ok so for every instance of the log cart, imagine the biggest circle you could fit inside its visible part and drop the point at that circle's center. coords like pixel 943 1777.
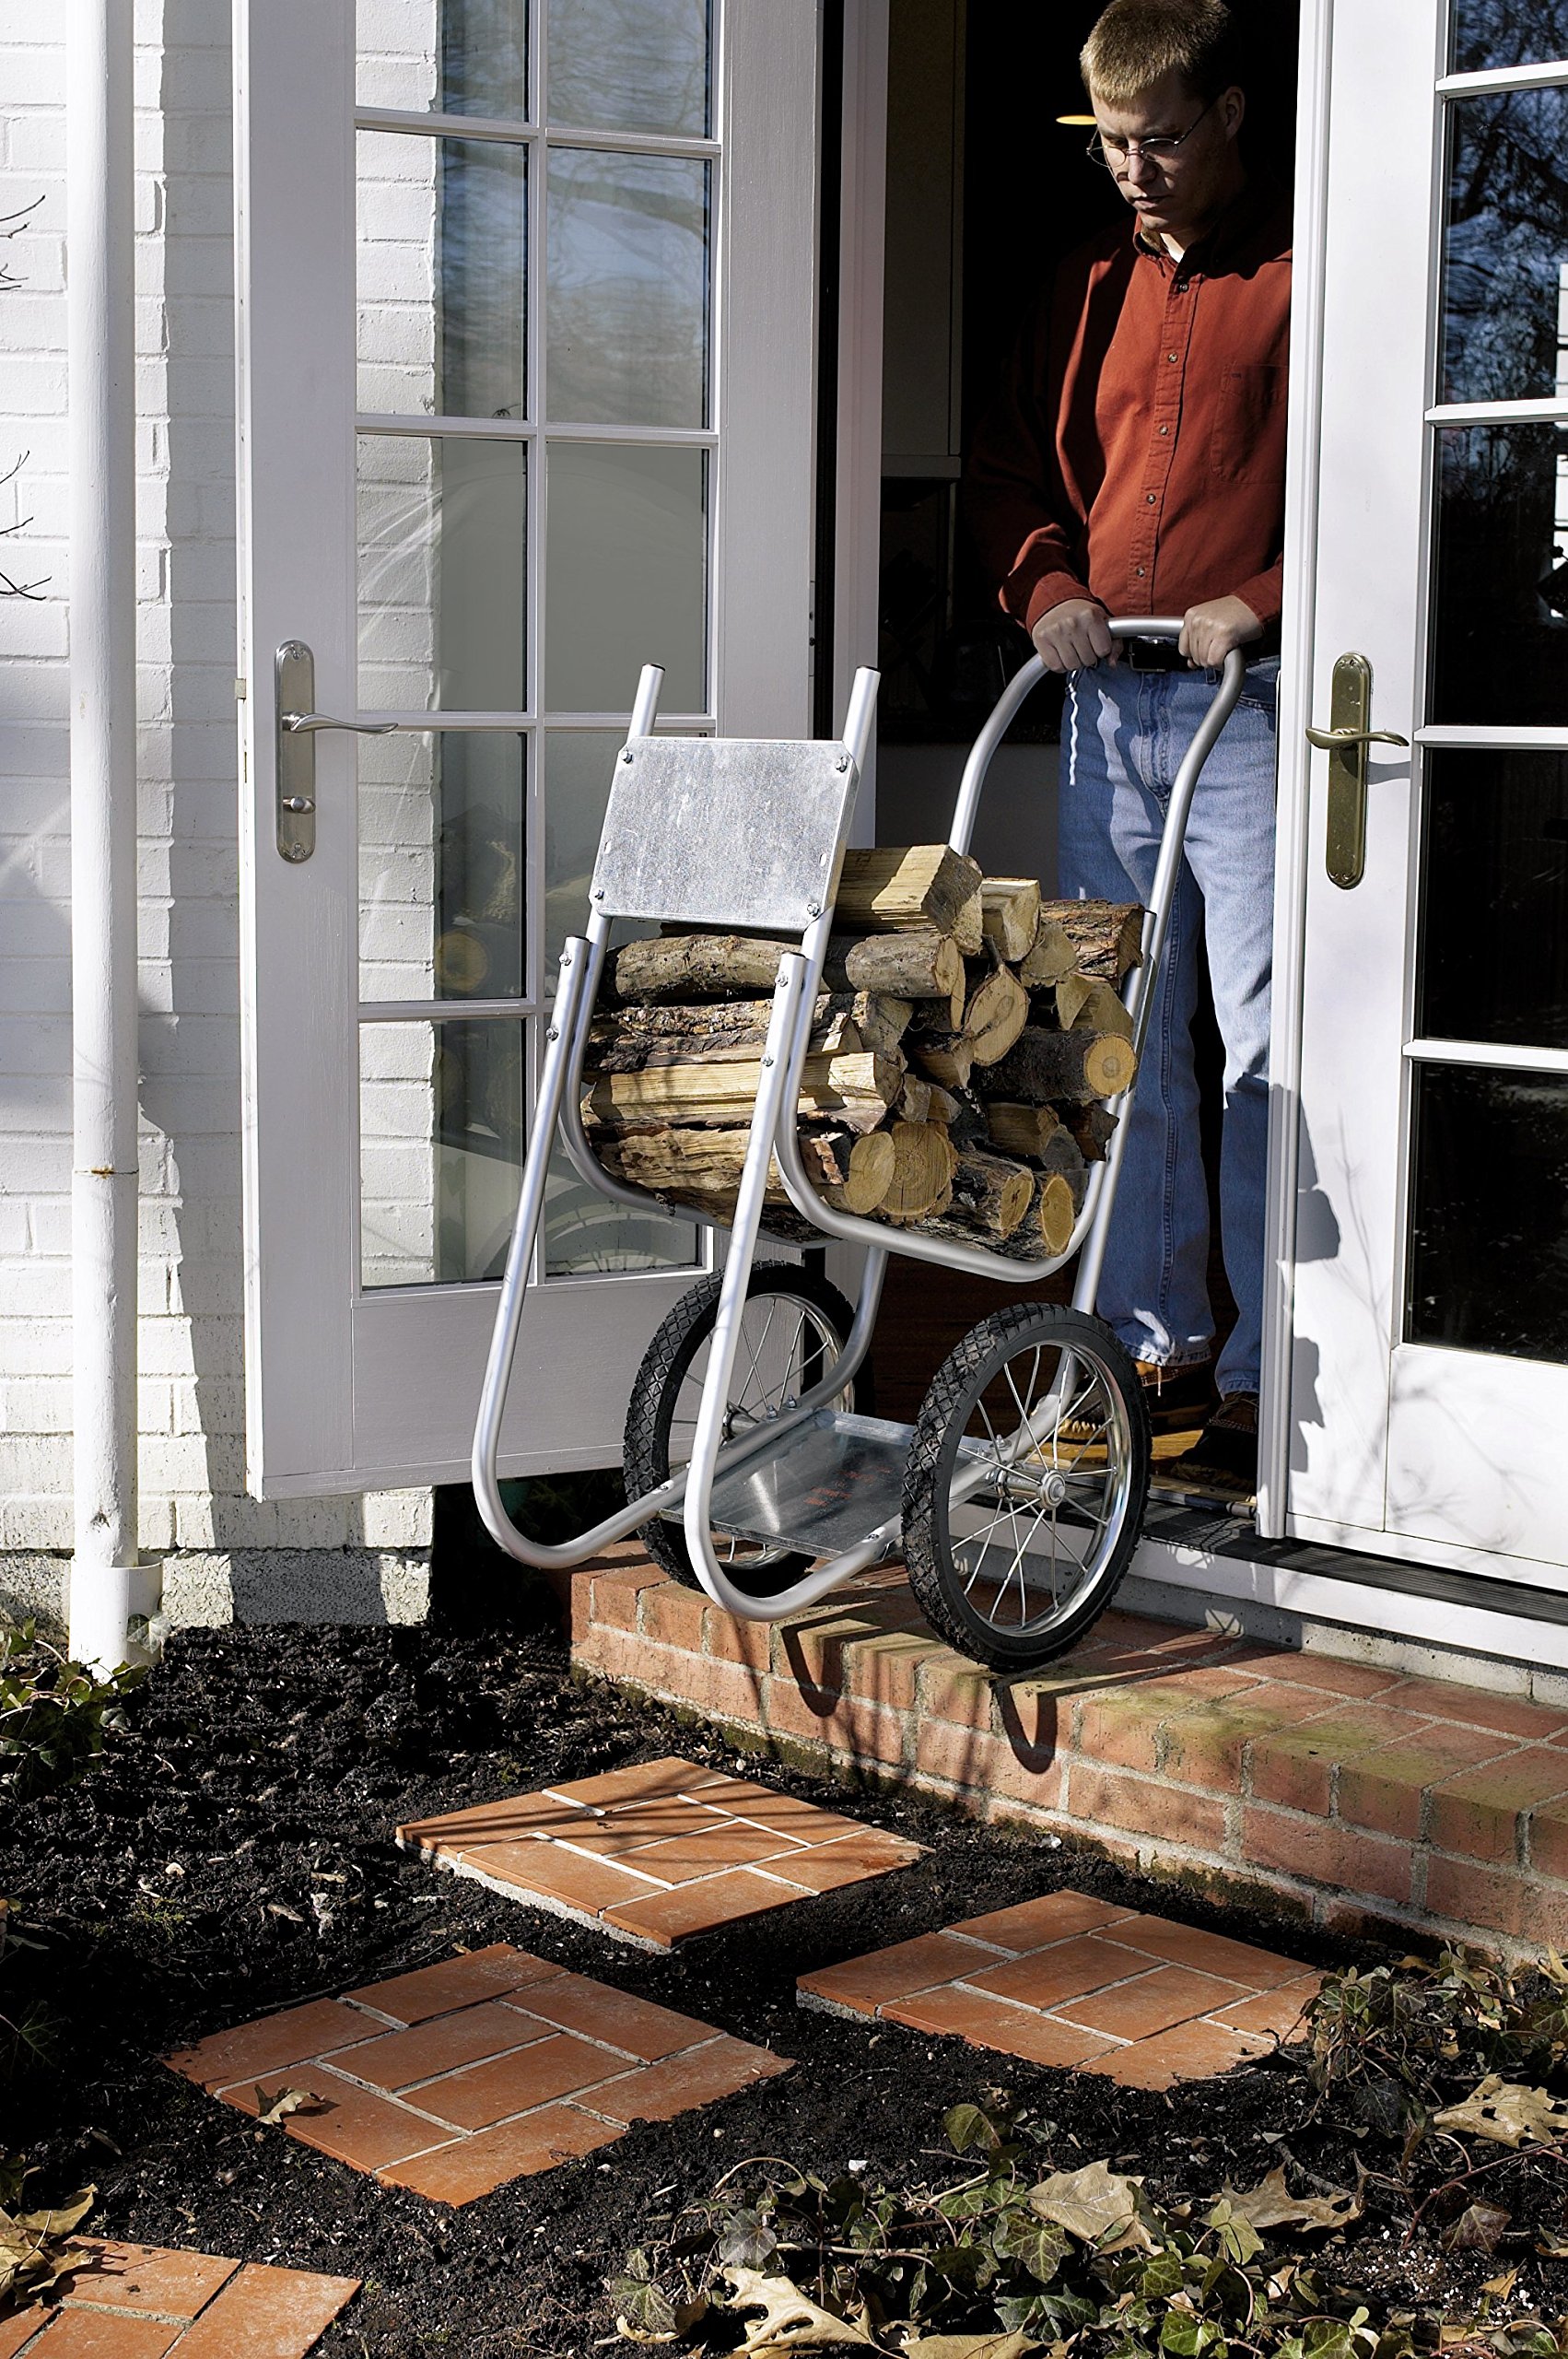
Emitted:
pixel 889 1049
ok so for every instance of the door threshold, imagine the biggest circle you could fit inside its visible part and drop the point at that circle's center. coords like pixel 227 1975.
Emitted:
pixel 1497 1633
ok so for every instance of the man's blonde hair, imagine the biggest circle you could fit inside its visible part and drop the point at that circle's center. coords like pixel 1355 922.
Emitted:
pixel 1137 42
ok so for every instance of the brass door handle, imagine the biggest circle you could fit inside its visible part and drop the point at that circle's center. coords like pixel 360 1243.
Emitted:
pixel 1345 742
pixel 1331 739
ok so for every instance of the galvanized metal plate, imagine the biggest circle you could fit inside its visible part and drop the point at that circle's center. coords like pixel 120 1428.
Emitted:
pixel 830 1484
pixel 727 831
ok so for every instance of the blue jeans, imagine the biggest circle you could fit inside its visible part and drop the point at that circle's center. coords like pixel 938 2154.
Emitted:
pixel 1123 735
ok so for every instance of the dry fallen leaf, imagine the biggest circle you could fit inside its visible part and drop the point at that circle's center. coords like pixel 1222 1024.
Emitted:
pixel 970 2346
pixel 284 2101
pixel 1270 2204
pixel 1477 2229
pixel 33 2252
pixel 792 2321
pixel 1095 2205
pixel 1507 2113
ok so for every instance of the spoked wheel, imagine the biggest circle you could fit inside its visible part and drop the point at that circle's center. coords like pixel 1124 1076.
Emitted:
pixel 793 1326
pixel 1028 1479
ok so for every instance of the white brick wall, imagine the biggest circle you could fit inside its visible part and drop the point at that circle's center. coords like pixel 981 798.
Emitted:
pixel 192 1395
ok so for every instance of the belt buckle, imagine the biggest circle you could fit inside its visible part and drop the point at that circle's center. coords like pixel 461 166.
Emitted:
pixel 1147 654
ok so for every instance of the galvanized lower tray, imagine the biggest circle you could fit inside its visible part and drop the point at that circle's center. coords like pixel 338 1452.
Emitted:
pixel 829 1485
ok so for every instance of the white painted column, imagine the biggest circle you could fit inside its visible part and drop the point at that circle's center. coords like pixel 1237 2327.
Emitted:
pixel 106 1585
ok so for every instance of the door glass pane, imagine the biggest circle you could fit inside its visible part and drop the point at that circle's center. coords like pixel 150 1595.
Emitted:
pixel 1494 948
pixel 578 764
pixel 630 64
pixel 1489 1251
pixel 585 1234
pixel 450 56
pixel 441 866
pixel 441 275
pixel 1508 32
pixel 442 568
pixel 441 1144
pixel 626 575
pixel 1505 317
pixel 1500 626
pixel 629 290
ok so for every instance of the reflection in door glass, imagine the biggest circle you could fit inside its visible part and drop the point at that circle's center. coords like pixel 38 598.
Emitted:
pixel 441 1143
pixel 1508 32
pixel 586 1236
pixel 441 866
pixel 1505 315
pixel 444 56
pixel 1500 587
pixel 629 290
pixel 442 568
pixel 626 575
pixel 630 64
pixel 1494 944
pixel 441 275
pixel 1488 1228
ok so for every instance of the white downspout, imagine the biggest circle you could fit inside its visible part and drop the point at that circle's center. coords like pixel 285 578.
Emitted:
pixel 108 1584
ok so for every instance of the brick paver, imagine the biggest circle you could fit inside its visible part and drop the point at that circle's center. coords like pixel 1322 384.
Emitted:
pixel 140 2302
pixel 657 1852
pixel 455 2079
pixel 1072 1981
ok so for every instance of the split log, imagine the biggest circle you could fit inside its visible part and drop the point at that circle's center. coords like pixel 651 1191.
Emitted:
pixel 1093 1128
pixel 1039 1135
pixel 700 1170
pixel 915 1100
pixel 687 967
pixel 626 1040
pixel 923 1167
pixel 990 1194
pixel 854 1174
pixel 1049 1068
pixel 854 1091
pixel 946 1058
pixel 1009 908
pixel 945 1107
pixel 969 926
pixel 1100 938
pixel 892 887
pixel 996 1011
pixel 1084 1002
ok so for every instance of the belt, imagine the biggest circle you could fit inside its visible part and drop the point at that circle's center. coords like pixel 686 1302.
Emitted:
pixel 1152 655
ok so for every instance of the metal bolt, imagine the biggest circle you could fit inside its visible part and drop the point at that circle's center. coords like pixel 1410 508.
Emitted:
pixel 599 892
pixel 842 763
pixel 554 1033
pixel 627 754
pixel 814 908
pixel 767 1060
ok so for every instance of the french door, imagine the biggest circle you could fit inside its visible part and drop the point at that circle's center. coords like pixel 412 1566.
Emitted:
pixel 1429 1337
pixel 526 339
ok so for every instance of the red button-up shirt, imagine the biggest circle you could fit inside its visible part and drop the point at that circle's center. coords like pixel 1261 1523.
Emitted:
pixel 1137 452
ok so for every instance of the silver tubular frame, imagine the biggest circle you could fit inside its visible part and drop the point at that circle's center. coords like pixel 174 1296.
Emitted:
pixel 774 1134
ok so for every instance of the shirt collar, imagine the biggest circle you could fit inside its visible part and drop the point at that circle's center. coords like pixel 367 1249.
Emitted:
pixel 1252 204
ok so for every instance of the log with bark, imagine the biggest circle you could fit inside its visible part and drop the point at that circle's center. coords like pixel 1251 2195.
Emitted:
pixel 627 1040
pixel 688 968
pixel 1086 1004
pixel 990 1195
pixel 1100 938
pixel 946 1058
pixel 1092 1127
pixel 854 1091
pixel 1063 1068
pixel 924 1163
pixel 1010 909
pixel 996 1013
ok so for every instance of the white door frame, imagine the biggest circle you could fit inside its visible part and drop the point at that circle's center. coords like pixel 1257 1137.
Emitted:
pixel 349 1390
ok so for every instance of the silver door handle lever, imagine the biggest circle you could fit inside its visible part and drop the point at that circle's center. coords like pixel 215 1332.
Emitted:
pixel 294 721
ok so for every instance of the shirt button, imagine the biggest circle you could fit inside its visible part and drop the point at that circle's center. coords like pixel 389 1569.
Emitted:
pixel 1150 498
pixel 1141 571
pixel 1171 356
pixel 1164 430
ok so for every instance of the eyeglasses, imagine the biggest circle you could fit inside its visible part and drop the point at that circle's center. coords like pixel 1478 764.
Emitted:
pixel 1116 154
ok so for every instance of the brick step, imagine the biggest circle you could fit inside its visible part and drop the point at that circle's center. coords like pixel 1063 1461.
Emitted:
pixel 1360 1799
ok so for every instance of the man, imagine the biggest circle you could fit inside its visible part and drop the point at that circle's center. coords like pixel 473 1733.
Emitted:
pixel 1135 465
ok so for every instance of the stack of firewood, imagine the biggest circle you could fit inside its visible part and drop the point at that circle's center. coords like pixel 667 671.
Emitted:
pixel 965 1039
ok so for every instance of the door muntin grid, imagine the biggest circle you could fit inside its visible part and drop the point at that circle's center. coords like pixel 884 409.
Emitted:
pixel 475 410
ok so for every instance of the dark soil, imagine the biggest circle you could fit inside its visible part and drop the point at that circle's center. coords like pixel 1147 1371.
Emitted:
pixel 234 1854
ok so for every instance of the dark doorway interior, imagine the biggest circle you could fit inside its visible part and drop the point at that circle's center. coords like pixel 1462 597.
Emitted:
pixel 987 192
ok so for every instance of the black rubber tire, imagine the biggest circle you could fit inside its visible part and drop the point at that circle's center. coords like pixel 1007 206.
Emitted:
pixel 656 1389
pixel 934 1578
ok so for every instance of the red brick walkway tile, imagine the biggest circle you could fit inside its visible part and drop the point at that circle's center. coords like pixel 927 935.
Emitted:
pixel 1068 1981
pixel 523 2067
pixel 680 2083
pixel 456 1982
pixel 260 2050
pixel 520 2148
pixel 660 1851
pixel 141 2301
pixel 267 2314
pixel 399 2059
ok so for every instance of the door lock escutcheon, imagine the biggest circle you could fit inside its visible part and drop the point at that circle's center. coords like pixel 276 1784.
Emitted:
pixel 297 723
pixel 1345 740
